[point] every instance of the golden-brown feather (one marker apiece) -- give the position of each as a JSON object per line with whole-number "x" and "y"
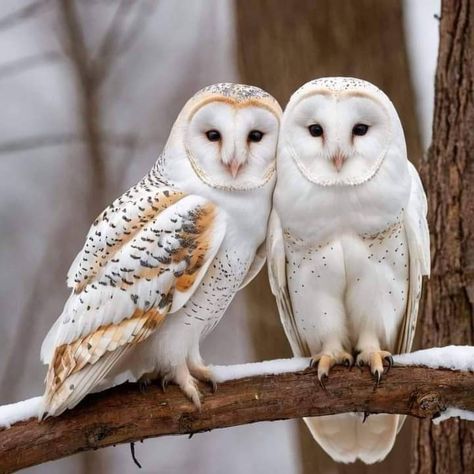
{"x": 70, "y": 358}
{"x": 126, "y": 229}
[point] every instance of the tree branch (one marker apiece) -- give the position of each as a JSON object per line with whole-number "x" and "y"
{"x": 124, "y": 414}
{"x": 25, "y": 64}
{"x": 91, "y": 112}
{"x": 119, "y": 140}
{"x": 22, "y": 14}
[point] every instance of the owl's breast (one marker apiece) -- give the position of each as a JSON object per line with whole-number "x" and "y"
{"x": 318, "y": 213}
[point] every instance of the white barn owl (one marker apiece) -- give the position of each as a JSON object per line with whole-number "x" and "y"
{"x": 162, "y": 263}
{"x": 348, "y": 245}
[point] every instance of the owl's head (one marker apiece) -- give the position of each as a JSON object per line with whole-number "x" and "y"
{"x": 340, "y": 130}
{"x": 230, "y": 134}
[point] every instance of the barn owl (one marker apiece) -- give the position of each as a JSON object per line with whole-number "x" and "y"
{"x": 348, "y": 245}
{"x": 161, "y": 264}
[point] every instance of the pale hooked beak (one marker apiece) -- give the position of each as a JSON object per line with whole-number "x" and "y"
{"x": 234, "y": 167}
{"x": 338, "y": 160}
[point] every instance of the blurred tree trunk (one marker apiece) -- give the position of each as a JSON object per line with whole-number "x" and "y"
{"x": 283, "y": 44}
{"x": 448, "y": 174}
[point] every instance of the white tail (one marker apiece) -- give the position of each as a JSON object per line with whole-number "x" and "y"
{"x": 347, "y": 438}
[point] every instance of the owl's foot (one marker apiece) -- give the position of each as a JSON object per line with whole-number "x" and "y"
{"x": 187, "y": 383}
{"x": 204, "y": 374}
{"x": 375, "y": 360}
{"x": 143, "y": 383}
{"x": 181, "y": 376}
{"x": 165, "y": 380}
{"x": 326, "y": 360}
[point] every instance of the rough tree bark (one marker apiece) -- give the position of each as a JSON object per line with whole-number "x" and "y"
{"x": 106, "y": 419}
{"x": 281, "y": 45}
{"x": 448, "y": 174}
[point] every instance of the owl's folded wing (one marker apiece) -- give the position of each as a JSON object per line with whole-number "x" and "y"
{"x": 279, "y": 284}
{"x": 143, "y": 259}
{"x": 418, "y": 238}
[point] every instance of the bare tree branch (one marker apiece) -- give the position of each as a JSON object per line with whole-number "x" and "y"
{"x": 107, "y": 49}
{"x": 118, "y": 40}
{"x": 145, "y": 11}
{"x": 25, "y": 64}
{"x": 22, "y": 14}
{"x": 124, "y": 414}
{"x": 31, "y": 143}
{"x": 91, "y": 113}
{"x": 129, "y": 141}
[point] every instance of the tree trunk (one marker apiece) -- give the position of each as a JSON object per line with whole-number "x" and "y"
{"x": 448, "y": 174}
{"x": 281, "y": 45}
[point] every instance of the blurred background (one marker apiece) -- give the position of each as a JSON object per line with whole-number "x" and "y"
{"x": 89, "y": 91}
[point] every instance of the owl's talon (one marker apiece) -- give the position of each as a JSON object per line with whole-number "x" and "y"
{"x": 377, "y": 377}
{"x": 213, "y": 385}
{"x": 165, "y": 380}
{"x": 325, "y": 361}
{"x": 389, "y": 360}
{"x": 366, "y": 415}
{"x": 204, "y": 374}
{"x": 143, "y": 384}
{"x": 375, "y": 360}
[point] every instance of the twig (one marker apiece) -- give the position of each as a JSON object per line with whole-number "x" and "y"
{"x": 22, "y": 14}
{"x": 21, "y": 65}
{"x": 125, "y": 415}
{"x": 43, "y": 141}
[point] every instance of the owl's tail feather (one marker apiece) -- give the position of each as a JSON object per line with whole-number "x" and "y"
{"x": 77, "y": 386}
{"x": 347, "y": 438}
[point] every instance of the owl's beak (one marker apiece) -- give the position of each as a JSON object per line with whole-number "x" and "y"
{"x": 234, "y": 167}
{"x": 338, "y": 160}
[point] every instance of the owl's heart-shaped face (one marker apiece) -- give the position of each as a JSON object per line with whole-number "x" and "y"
{"x": 233, "y": 144}
{"x": 337, "y": 138}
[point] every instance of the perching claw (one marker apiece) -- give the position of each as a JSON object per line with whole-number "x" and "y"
{"x": 389, "y": 360}
{"x": 322, "y": 381}
{"x": 143, "y": 384}
{"x": 377, "y": 376}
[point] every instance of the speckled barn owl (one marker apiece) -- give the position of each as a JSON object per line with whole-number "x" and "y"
{"x": 348, "y": 245}
{"x": 161, "y": 264}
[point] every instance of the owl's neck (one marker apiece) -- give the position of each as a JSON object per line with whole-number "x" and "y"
{"x": 315, "y": 212}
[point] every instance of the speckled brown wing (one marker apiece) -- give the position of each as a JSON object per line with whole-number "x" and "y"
{"x": 116, "y": 226}
{"x": 143, "y": 258}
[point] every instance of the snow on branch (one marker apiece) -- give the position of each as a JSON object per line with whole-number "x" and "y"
{"x": 248, "y": 393}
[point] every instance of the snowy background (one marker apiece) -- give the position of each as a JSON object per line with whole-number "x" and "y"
{"x": 158, "y": 53}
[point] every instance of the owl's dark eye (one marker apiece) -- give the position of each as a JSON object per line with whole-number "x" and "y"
{"x": 255, "y": 136}
{"x": 213, "y": 135}
{"x": 315, "y": 130}
{"x": 360, "y": 129}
